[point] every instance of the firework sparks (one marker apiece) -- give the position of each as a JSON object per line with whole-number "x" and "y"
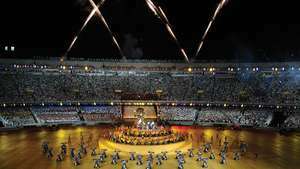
{"x": 152, "y": 7}
{"x": 92, "y": 13}
{"x": 163, "y": 15}
{"x": 106, "y": 25}
{"x": 157, "y": 11}
{"x": 220, "y": 6}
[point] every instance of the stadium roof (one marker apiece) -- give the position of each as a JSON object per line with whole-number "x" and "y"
{"x": 248, "y": 30}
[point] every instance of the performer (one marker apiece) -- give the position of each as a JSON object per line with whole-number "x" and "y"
{"x": 164, "y": 155}
{"x": 191, "y": 154}
{"x": 236, "y": 156}
{"x": 49, "y": 153}
{"x": 207, "y": 147}
{"x": 94, "y": 152}
{"x": 114, "y": 159}
{"x": 212, "y": 156}
{"x": 205, "y": 163}
{"x": 139, "y": 160}
{"x": 79, "y": 155}
{"x": 58, "y": 157}
{"x": 63, "y": 148}
{"x": 124, "y": 166}
{"x": 76, "y": 161}
{"x": 117, "y": 154}
{"x": 199, "y": 157}
{"x": 180, "y": 163}
{"x": 159, "y": 159}
{"x": 72, "y": 153}
{"x": 97, "y": 163}
{"x": 150, "y": 156}
{"x": 223, "y": 158}
{"x": 131, "y": 156}
{"x": 149, "y": 164}
{"x": 45, "y": 147}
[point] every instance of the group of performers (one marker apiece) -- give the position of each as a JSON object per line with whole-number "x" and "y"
{"x": 101, "y": 156}
{"x": 135, "y": 136}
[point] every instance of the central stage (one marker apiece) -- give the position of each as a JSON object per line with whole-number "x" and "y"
{"x": 143, "y": 149}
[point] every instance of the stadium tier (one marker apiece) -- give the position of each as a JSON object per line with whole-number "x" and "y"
{"x": 260, "y": 86}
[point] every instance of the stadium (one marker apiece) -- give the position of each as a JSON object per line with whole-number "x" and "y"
{"x": 130, "y": 111}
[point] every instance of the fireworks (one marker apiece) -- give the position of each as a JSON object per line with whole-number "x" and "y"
{"x": 95, "y": 10}
{"x": 83, "y": 26}
{"x": 107, "y": 27}
{"x": 157, "y": 11}
{"x": 220, "y": 6}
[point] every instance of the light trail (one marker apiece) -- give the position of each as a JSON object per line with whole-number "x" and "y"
{"x": 218, "y": 9}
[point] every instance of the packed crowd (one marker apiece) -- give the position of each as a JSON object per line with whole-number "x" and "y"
{"x": 16, "y": 117}
{"x": 177, "y": 113}
{"x": 293, "y": 121}
{"x": 253, "y": 118}
{"x": 101, "y": 113}
{"x": 213, "y": 116}
{"x": 56, "y": 114}
{"x": 241, "y": 87}
{"x": 25, "y": 116}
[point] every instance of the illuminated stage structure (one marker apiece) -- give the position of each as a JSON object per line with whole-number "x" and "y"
{"x": 145, "y": 133}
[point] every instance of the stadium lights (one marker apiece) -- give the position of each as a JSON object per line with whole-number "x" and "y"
{"x": 86, "y": 68}
{"x": 24, "y": 104}
{"x": 225, "y": 104}
{"x": 277, "y": 107}
{"x": 282, "y": 68}
{"x": 78, "y": 104}
{"x": 64, "y": 67}
{"x": 276, "y": 69}
{"x": 259, "y": 106}
{"x": 95, "y": 104}
{"x": 191, "y": 104}
{"x": 112, "y": 103}
{"x": 190, "y": 69}
{"x": 293, "y": 68}
{"x": 207, "y": 104}
{"x": 43, "y": 104}
{"x": 295, "y": 107}
{"x": 4, "y": 105}
{"x": 60, "y": 103}
{"x": 242, "y": 105}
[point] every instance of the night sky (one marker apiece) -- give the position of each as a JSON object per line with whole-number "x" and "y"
{"x": 245, "y": 30}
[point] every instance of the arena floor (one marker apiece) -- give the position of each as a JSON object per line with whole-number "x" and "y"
{"x": 22, "y": 149}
